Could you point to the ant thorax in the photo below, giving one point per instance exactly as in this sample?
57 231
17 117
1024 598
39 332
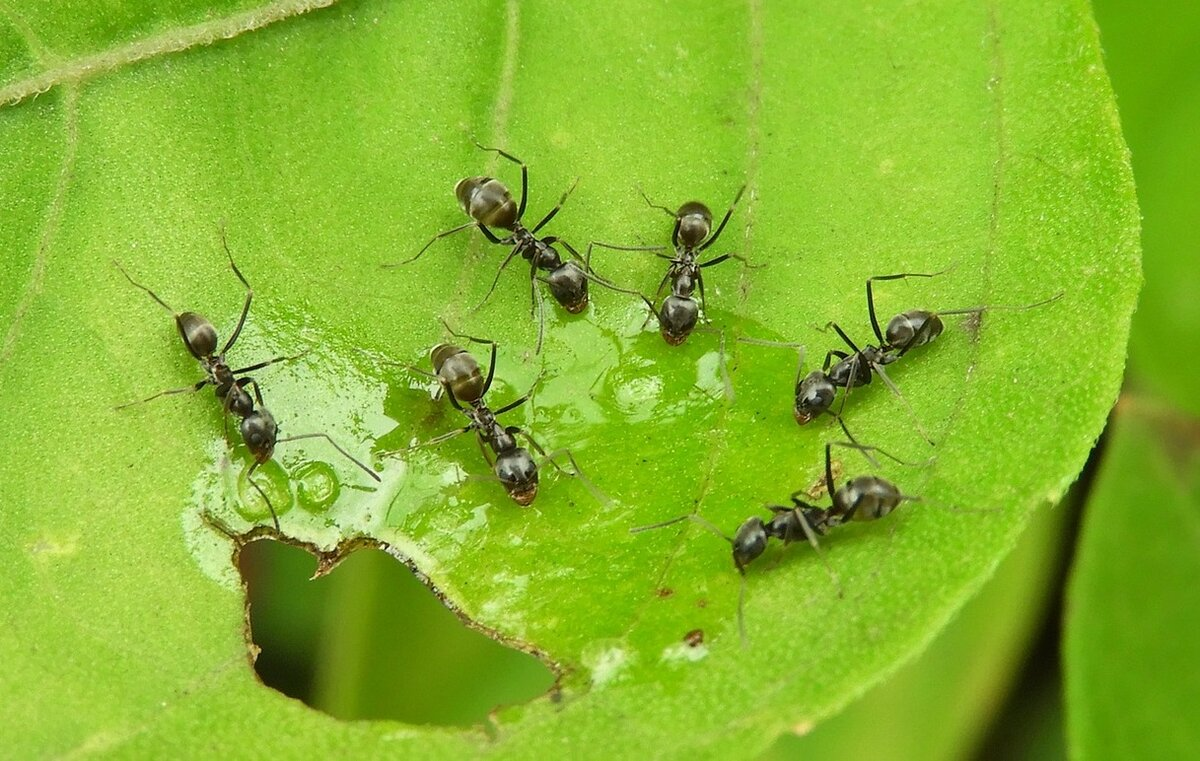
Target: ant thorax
855 370
683 278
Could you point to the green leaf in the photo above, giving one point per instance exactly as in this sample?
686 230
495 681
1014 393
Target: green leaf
873 140
1151 52
1132 607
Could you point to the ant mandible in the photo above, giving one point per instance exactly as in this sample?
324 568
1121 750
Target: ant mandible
489 203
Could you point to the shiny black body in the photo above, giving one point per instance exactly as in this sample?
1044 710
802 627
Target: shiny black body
690 237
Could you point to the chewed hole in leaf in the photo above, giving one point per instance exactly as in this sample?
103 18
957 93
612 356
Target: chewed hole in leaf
370 641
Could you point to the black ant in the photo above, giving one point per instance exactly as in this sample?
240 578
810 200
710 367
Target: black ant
863 498
458 375
690 237
258 427
488 202
815 392
200 338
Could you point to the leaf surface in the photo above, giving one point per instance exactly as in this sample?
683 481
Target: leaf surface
872 140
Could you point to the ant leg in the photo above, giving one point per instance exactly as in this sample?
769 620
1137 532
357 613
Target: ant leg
871 295
799 347
431 442
724 221
220 526
653 312
185 390
598 495
865 448
273 360
263 494
495 281
524 174
830 355
739 257
669 212
656 249
432 240
883 376
563 199
588 272
153 295
512 405
249 295
662 524
843 336
1009 307
334 444
722 365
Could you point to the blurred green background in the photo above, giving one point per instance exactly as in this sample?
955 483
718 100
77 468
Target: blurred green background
992 684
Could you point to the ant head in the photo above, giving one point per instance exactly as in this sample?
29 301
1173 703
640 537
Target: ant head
458 372
814 395
677 318
913 328
694 221
198 334
487 201
569 286
260 431
518 472
749 542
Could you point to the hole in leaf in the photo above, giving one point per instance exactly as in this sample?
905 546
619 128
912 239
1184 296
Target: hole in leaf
370 641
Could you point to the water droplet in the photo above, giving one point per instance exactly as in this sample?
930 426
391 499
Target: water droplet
273 482
317 486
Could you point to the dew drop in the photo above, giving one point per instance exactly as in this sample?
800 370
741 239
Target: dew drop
317 486
273 481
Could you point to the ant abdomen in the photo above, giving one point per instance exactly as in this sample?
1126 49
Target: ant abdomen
866 498
198 334
695 222
913 328
458 371
487 201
